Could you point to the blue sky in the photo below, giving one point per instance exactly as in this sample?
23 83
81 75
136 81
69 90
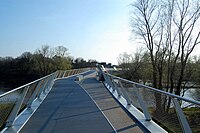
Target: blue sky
92 29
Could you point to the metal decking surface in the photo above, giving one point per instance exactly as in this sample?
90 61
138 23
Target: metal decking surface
67 109
89 108
122 121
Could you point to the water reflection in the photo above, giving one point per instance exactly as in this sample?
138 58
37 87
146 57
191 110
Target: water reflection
193 93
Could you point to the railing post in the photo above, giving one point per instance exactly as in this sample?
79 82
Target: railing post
53 78
61 73
16 108
64 74
142 104
117 89
32 98
49 79
110 83
128 100
54 75
184 124
67 73
106 79
57 73
43 87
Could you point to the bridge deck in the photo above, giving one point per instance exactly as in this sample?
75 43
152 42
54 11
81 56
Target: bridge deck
88 107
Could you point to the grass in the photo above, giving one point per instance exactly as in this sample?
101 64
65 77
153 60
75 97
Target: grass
169 121
193 117
5 110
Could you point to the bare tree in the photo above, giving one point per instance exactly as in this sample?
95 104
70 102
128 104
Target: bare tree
124 60
145 25
167 28
186 18
42 58
61 51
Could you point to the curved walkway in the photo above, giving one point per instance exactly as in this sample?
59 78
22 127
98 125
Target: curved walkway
83 107
121 120
67 109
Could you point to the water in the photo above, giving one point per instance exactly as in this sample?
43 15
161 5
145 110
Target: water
1 91
192 93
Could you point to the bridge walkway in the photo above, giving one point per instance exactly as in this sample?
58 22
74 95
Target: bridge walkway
84 107
121 120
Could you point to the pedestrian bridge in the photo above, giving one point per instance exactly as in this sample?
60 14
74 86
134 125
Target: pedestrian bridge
91 101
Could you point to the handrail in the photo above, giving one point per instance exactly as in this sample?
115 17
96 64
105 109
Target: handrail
157 90
15 101
164 107
25 85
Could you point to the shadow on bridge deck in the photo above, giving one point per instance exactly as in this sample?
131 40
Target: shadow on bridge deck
86 107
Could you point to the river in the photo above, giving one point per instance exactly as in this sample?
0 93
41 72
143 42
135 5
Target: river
193 93
1 92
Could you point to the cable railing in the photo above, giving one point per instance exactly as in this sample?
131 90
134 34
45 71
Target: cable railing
173 113
12 103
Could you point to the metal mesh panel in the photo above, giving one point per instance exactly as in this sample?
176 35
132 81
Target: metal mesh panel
67 73
57 74
31 90
71 72
128 87
43 82
76 71
39 84
156 103
60 74
7 103
192 113
9 100
162 109
114 83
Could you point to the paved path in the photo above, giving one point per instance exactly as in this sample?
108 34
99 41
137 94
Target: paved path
67 109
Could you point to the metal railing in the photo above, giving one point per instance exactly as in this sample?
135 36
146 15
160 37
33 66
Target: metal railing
66 73
12 103
173 113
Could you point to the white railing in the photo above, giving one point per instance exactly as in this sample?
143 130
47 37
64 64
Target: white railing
21 98
173 113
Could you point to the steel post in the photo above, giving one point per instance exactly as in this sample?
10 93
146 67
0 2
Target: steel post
16 108
32 98
182 119
43 87
142 104
125 94
64 74
116 88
